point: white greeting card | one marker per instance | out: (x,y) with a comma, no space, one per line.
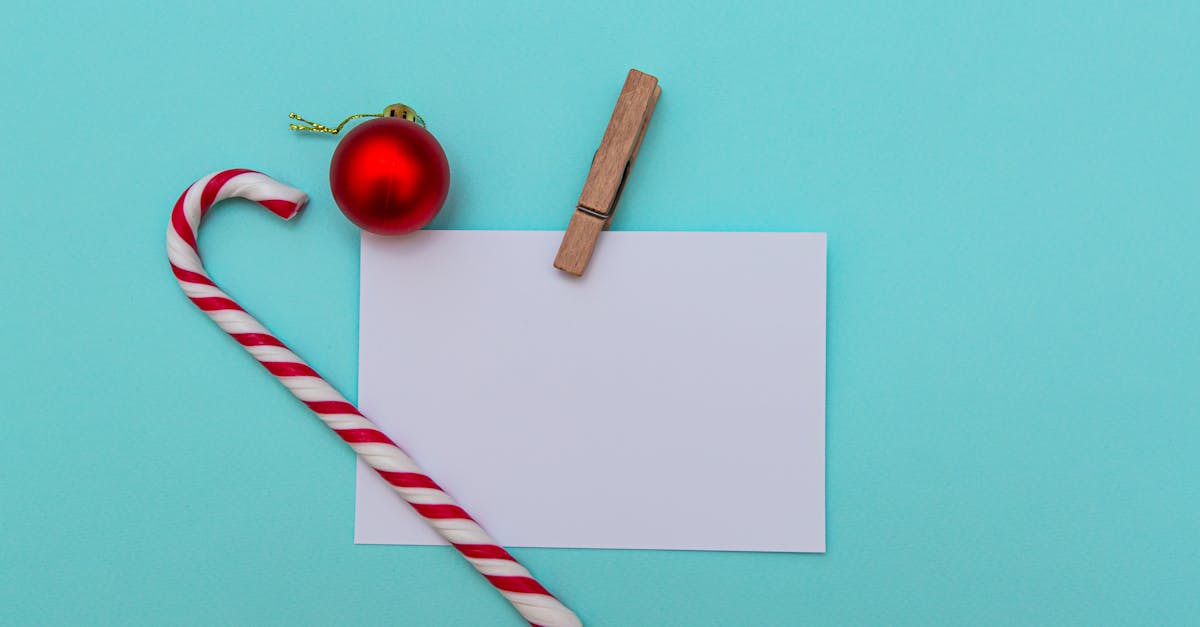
(671,398)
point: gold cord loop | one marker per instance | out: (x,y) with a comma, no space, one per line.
(321,128)
(392,111)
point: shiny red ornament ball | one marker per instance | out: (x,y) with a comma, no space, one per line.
(389,176)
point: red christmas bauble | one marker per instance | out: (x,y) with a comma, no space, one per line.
(389,176)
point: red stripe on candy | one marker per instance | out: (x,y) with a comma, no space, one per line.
(215,184)
(332,407)
(407,479)
(289,369)
(180,224)
(282,208)
(215,303)
(191,277)
(256,339)
(517,584)
(364,435)
(441,511)
(484,551)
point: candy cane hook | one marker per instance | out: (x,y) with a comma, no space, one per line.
(438,509)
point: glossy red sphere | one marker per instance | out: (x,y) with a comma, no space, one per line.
(389,176)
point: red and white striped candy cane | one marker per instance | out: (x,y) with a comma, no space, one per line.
(513,581)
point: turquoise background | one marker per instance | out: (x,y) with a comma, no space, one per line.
(1011,195)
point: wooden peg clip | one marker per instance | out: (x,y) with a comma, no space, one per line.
(610,169)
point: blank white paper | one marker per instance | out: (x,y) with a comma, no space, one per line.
(672,398)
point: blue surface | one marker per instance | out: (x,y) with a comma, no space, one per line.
(1013,205)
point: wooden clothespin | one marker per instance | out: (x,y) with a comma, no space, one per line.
(610,168)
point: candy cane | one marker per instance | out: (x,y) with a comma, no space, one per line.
(513,581)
